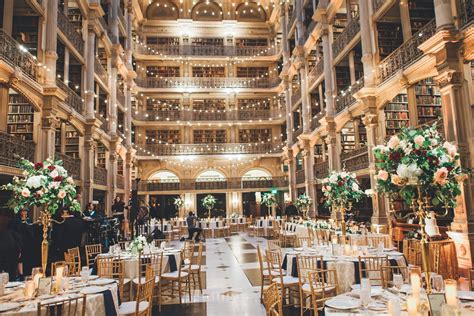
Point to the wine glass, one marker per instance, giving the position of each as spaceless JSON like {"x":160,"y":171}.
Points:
{"x":85,"y":273}
{"x":398,"y":281}
{"x":438,"y":283}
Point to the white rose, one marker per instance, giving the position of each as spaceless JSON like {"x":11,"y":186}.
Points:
{"x":54,"y":173}
{"x":62,"y":172}
{"x":434,"y":142}
{"x":451,"y":149}
{"x":333,"y":178}
{"x":54,"y":185}
{"x":70,"y":180}
{"x":34,"y":182}
{"x":355,"y":187}
{"x":382,"y":148}
{"x":393,"y":142}
{"x":402,"y":171}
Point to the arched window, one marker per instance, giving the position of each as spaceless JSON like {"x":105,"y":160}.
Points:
{"x":207,"y":11}
{"x":250,"y":12}
{"x":253,"y":174}
{"x":210,"y":176}
{"x":165,"y":176}
{"x":162,"y":10}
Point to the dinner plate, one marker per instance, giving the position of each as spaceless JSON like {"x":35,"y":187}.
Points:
{"x":357,"y":287}
{"x":103,"y":281}
{"x":466,"y":295}
{"x":343,"y":303}
{"x":93,"y":289}
{"x":377,"y":306}
{"x":374,"y":291}
{"x":8,"y":306}
{"x":13,"y":284}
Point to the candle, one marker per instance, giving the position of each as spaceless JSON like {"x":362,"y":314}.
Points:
{"x":415,"y":285}
{"x":451,"y":292}
{"x":412,"y":306}
{"x":59,"y":277}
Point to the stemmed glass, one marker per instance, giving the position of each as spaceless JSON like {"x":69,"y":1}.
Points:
{"x":85,"y":273}
{"x":398,"y":281}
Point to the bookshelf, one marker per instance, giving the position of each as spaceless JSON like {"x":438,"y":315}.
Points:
{"x":347,"y":139}
{"x":252,"y":72}
{"x":75,"y":17}
{"x":26,"y":32}
{"x":119,"y":165}
{"x":396,"y":114}
{"x":343,"y":77}
{"x":101,"y":158}
{"x":209,"y":105}
{"x":255,"y":135}
{"x":72,"y":142}
{"x":162,"y":104}
{"x":162,"y":71}
{"x":253,"y":104}
{"x":207,"y":41}
{"x":20,"y":117}
{"x":57,"y":140}
{"x":207,"y":72}
{"x":362,"y":133}
{"x":169,"y":41}
{"x":428,"y":101}
{"x":209,"y":136}
{"x":163,"y":136}
{"x":421,"y":12}
{"x":251,"y":42}
{"x":390,"y":37}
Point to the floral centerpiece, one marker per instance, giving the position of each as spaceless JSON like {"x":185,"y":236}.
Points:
{"x":138,"y":244}
{"x":269,"y":200}
{"x":179,"y":203}
{"x":43,"y":184}
{"x":303,"y":202}
{"x":208,"y":202}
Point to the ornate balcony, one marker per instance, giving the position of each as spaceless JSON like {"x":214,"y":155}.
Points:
{"x":310,"y":29}
{"x":343,"y":40}
{"x":317,"y":70}
{"x":120,"y":97}
{"x":315,"y":123}
{"x":321,"y":169}
{"x":467,"y":12}
{"x":100,"y":176}
{"x":210,"y":50}
{"x":208,"y":149}
{"x":120,"y":182}
{"x":295,"y":97}
{"x":407,"y":53}
{"x":207,"y":82}
{"x":179,"y":115}
{"x":377,"y":4}
{"x":298,"y":132}
{"x":347,"y":99}
{"x":11,"y":147}
{"x":300,"y":176}
{"x":259,"y":114}
{"x":70,"y":32}
{"x":171,"y":115}
{"x":356,"y":159}
{"x":210,"y":116}
{"x":16,"y":55}
{"x":100,"y":71}
{"x":214,"y":184}
{"x":72,"y":165}
{"x":73,"y":99}
{"x":291,"y":20}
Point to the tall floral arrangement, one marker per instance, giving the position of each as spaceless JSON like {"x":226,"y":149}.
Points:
{"x":178,"y":202}
{"x":137,"y":245}
{"x":419,"y":159}
{"x":209,"y":201}
{"x":44,"y":184}
{"x":303,"y":201}
{"x":341,"y":188}
{"x":269,"y":199}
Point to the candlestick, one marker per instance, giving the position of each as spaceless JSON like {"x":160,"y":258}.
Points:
{"x":451,"y":292}
{"x":412,"y":306}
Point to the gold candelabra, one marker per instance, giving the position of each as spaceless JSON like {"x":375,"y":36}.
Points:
{"x":45,"y":221}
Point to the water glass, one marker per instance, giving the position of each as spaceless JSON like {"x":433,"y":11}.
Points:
{"x":438,"y":283}
{"x":4,"y":278}
{"x":398,"y":281}
{"x":85,"y":273}
{"x":364,"y":297}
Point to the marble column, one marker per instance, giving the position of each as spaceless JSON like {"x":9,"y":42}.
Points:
{"x":444,"y":14}
{"x":308,"y":160}
{"x":88,"y":166}
{"x":334,"y":152}
{"x":305,"y":104}
{"x":366,"y":33}
{"x":328,"y":73}
{"x":113,"y":20}
{"x":289,"y":117}
{"x":90,"y":60}
{"x":8,"y":6}
{"x":51,"y":41}
{"x":49,"y":124}
{"x":291,"y":174}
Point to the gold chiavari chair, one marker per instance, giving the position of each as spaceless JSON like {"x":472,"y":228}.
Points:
{"x":195,"y":269}
{"x":311,"y":234}
{"x":260,"y":228}
{"x":323,"y":236}
{"x":266,"y":276}
{"x":288,"y":284}
{"x":306,"y":264}
{"x":114,"y":268}
{"x":124,"y":244}
{"x":323,"y":285}
{"x":275,"y":230}
{"x":471,"y":280}
{"x":387,"y":273}
{"x":288,"y":238}
{"x":272,"y":301}
{"x":370,"y":267}
{"x":158,"y":242}
{"x":252,"y":229}
{"x":91,"y":254}
{"x":300,"y":241}
{"x":181,"y":278}
{"x":146,"y":261}
{"x":70,"y":268}
{"x":72,"y":306}
{"x":144,"y":301}
{"x":76,"y":255}
{"x":274,"y":244}
{"x":375,"y":240}
{"x":412,"y":251}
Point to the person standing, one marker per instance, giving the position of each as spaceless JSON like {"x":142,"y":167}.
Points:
{"x":117,"y":209}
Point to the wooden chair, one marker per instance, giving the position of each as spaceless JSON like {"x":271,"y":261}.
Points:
{"x":323,"y":236}
{"x":123,"y":244}
{"x":181,"y":278}
{"x":287,"y":283}
{"x":152,"y":260}
{"x":266,"y":276}
{"x":144,"y":301}
{"x":387,"y":273}
{"x":323,"y":285}
{"x":195,"y":269}
{"x":113,"y":268}
{"x":306,"y":264}
{"x":370,"y":267}
{"x":412,"y":251}
{"x":300,"y":241}
{"x":75,"y":255}
{"x":65,"y":307}
{"x":91,"y":254}
{"x":374,"y":241}
{"x":158,"y":242}
{"x":272,"y":301}
{"x":311,"y":234}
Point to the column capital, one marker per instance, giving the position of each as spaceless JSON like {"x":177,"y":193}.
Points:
{"x":50,"y":122}
{"x":449,"y":77}
{"x":370,"y":119}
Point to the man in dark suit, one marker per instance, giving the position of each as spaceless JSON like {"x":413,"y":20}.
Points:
{"x":67,"y":234}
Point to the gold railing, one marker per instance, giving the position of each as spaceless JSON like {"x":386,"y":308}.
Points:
{"x":321,"y":169}
{"x":356,"y":159}
{"x":341,"y":42}
{"x":72,"y":165}
{"x":291,"y":20}
{"x":100,"y":71}
{"x":208,"y":50}
{"x":72,"y":99}
{"x":407,"y":53}
{"x":317,"y":70}
{"x":70,"y":32}
{"x":11,"y":147}
{"x":467,"y":12}
{"x":347,"y":98}
{"x":209,"y":149}
{"x":100,"y":176}
{"x":207,"y":82}
{"x":121,"y":97}
{"x":16,"y":55}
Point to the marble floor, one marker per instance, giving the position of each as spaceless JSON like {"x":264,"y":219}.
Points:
{"x":232,"y":280}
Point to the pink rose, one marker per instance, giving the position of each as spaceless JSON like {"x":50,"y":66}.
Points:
{"x":393,"y":142}
{"x":396,"y":179}
{"x":62,"y":194}
{"x":451,"y":149}
{"x":70,"y":180}
{"x":25,"y":192}
{"x":441,"y":176}
{"x":382,"y":175}
{"x":419,"y":140}
{"x":40,"y":193}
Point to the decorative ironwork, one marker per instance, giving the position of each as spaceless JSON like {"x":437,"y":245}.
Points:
{"x":258,"y":114}
{"x":317,"y":70}
{"x":466,"y":12}
{"x":11,"y":147}
{"x":178,"y":115}
{"x":298,"y":132}
{"x":356,"y":159}
{"x":309,"y":29}
{"x":100,"y":176}
{"x":295,"y":97}
{"x":207,"y":82}
{"x":16,"y":55}
{"x":120,"y":182}
{"x":345,"y":37}
{"x":407,"y":53}
{"x":208,"y":149}
{"x":347,"y":98}
{"x":173,"y":115}
{"x":321,"y":169}
{"x":315,"y":123}
{"x":208,"y":50}
{"x":72,"y":165}
{"x":104,"y":124}
{"x":100,"y":71}
{"x":120,"y":97}
{"x":210,"y":116}
{"x":291,"y":20}
{"x":377,"y":4}
{"x":70,"y":32}
{"x":73,"y":99}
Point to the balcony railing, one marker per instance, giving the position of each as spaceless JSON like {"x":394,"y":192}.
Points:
{"x":120,"y":182}
{"x":120,"y":97}
{"x":291,"y":20}
{"x":300,"y":176}
{"x":207,"y":82}
{"x":11,"y":147}
{"x":295,"y":97}
{"x":317,"y":70}
{"x":310,"y":29}
{"x":104,"y":123}
{"x":214,"y":184}
{"x":210,"y":116}
{"x":347,"y":99}
{"x":100,"y":176}
{"x":298,"y":132}
{"x":100,"y":71}
{"x":72,"y":99}
{"x":13,"y":54}
{"x":315,"y":123}
{"x":208,"y":149}
{"x":467,"y":12}
{"x":179,"y":115}
{"x":209,"y":50}
{"x":356,"y":159}
{"x":72,"y":165}
{"x":321,"y":169}
{"x":341,"y":42}
{"x":173,"y":115}
{"x":377,"y":4}
{"x":70,"y":32}
{"x":407,"y":53}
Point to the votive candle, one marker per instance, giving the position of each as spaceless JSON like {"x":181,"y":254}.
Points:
{"x":412,"y":306}
{"x":451,"y":292}
{"x":59,"y":277}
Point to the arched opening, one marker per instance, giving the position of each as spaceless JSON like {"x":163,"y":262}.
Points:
{"x":207,"y":11}
{"x":255,"y":173}
{"x":211,"y":176}
{"x":162,"y":10}
{"x":250,"y":12}
{"x":164,"y":176}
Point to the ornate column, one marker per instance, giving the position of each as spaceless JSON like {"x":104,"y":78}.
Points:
{"x":334,"y":151}
{"x":49,"y":124}
{"x":291,"y":174}
{"x":112,"y":176}
{"x":113,"y":21}
{"x":51,"y":41}
{"x":90,"y":60}
{"x":88,"y":166}
{"x":8,"y":16}
{"x":328,"y":73}
{"x":289,"y":117}
{"x":308,"y":161}
{"x":444,"y":14}
{"x":301,"y":65}
{"x":366,"y":31}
